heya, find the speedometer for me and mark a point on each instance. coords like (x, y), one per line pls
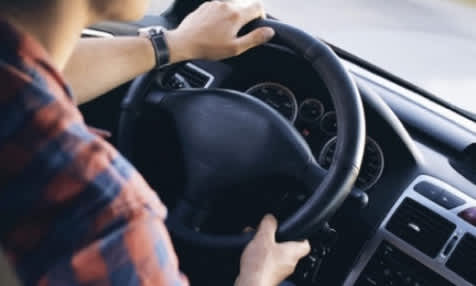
(278, 97)
(372, 164)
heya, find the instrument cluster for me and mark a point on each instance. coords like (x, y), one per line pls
(319, 127)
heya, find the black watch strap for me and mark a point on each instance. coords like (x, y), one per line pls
(162, 53)
(157, 36)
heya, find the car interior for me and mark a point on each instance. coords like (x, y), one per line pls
(380, 177)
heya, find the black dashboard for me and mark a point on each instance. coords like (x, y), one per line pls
(289, 85)
(391, 231)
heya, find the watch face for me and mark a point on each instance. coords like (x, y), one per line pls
(155, 31)
(150, 31)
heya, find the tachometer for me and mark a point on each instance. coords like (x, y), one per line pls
(372, 165)
(278, 97)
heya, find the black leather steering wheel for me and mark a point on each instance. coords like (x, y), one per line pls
(228, 137)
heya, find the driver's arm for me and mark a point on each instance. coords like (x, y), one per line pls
(99, 65)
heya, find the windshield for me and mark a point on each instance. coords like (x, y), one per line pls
(431, 43)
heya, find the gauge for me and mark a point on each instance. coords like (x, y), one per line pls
(311, 110)
(329, 123)
(278, 97)
(372, 164)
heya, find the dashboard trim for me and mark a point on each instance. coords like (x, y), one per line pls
(413, 97)
(437, 264)
(211, 78)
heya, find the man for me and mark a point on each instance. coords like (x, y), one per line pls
(74, 211)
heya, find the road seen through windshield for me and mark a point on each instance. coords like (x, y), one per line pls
(324, 17)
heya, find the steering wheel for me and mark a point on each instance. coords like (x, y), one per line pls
(227, 137)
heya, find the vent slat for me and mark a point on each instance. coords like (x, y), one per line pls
(427, 225)
(419, 226)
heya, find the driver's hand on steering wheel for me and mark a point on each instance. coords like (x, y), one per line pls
(266, 262)
(211, 31)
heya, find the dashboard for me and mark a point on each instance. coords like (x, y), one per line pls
(298, 95)
(430, 222)
(307, 106)
(386, 256)
(417, 225)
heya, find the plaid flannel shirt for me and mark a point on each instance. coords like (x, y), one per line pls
(73, 211)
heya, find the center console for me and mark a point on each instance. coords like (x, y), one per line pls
(428, 238)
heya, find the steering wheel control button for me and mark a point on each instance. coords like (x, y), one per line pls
(469, 215)
(439, 195)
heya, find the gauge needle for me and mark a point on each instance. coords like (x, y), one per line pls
(273, 104)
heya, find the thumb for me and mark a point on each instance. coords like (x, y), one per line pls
(255, 38)
(297, 249)
(267, 228)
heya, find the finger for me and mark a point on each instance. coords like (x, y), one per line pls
(248, 229)
(297, 249)
(267, 228)
(249, 11)
(255, 38)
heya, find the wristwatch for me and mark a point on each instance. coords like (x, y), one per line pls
(157, 36)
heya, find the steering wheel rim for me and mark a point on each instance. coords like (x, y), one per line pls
(330, 187)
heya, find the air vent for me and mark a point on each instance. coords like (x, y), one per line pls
(195, 76)
(421, 227)
(390, 266)
(463, 260)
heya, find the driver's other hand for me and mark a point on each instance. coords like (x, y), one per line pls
(266, 262)
(211, 31)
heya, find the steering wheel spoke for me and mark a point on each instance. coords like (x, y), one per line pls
(313, 177)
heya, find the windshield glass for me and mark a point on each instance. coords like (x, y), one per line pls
(431, 43)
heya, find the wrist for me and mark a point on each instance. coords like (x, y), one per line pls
(157, 39)
(178, 48)
(149, 52)
(248, 281)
